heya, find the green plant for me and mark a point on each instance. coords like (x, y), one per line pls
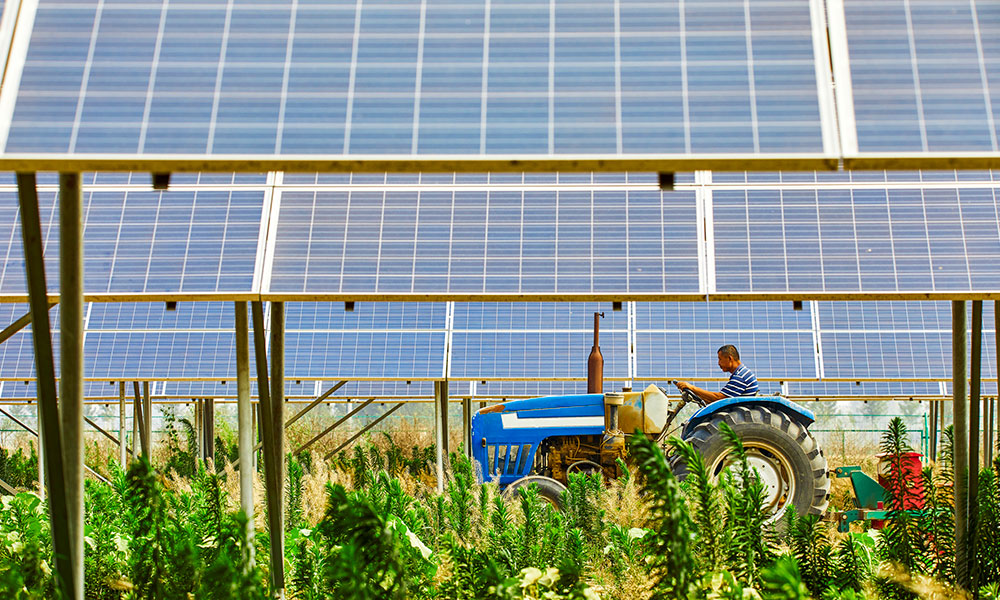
(182, 460)
(671, 540)
(367, 564)
(293, 494)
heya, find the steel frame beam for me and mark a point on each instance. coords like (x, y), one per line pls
(273, 482)
(103, 432)
(139, 421)
(63, 544)
(336, 424)
(961, 425)
(123, 449)
(14, 327)
(315, 402)
(932, 419)
(244, 416)
(364, 429)
(440, 431)
(302, 413)
(31, 431)
(71, 358)
(975, 371)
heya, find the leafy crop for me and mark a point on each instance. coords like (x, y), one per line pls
(369, 524)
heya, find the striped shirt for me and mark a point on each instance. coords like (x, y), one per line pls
(741, 383)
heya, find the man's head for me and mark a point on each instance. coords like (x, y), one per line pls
(729, 358)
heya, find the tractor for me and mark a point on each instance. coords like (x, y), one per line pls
(542, 441)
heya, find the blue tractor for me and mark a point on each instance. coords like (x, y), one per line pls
(543, 440)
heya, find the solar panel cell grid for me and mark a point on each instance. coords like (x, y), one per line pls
(678, 316)
(924, 75)
(594, 77)
(856, 240)
(471, 241)
(148, 241)
(538, 354)
(693, 354)
(365, 354)
(366, 315)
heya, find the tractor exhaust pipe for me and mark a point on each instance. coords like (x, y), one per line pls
(595, 364)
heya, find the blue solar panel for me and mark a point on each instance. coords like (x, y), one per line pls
(497, 241)
(365, 354)
(864, 388)
(538, 354)
(880, 354)
(534, 388)
(888, 316)
(533, 316)
(111, 316)
(895, 240)
(720, 316)
(203, 241)
(437, 77)
(692, 355)
(924, 74)
(167, 354)
(307, 316)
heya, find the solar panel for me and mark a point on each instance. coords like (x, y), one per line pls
(207, 316)
(534, 354)
(720, 316)
(692, 354)
(411, 78)
(534, 316)
(365, 354)
(141, 241)
(837, 240)
(486, 241)
(924, 75)
(880, 354)
(864, 388)
(388, 316)
(168, 354)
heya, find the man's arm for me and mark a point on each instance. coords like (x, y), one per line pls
(706, 395)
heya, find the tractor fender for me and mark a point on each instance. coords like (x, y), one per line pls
(797, 413)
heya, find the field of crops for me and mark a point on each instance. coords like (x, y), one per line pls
(368, 524)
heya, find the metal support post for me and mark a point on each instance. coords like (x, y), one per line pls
(63, 545)
(990, 420)
(147, 420)
(975, 369)
(961, 422)
(440, 430)
(138, 422)
(932, 430)
(272, 481)
(136, 413)
(199, 431)
(278, 407)
(302, 413)
(208, 424)
(467, 426)
(122, 447)
(244, 417)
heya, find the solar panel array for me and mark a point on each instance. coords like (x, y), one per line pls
(477, 79)
(440, 77)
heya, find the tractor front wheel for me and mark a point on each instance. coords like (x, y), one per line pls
(789, 462)
(549, 489)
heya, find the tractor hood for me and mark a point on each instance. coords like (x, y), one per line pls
(590, 404)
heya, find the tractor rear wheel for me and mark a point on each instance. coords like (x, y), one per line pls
(790, 463)
(549, 489)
